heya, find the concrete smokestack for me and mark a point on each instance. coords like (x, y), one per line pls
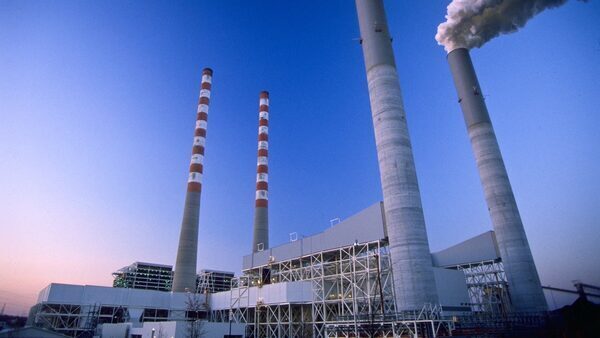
(524, 284)
(184, 278)
(260, 239)
(409, 249)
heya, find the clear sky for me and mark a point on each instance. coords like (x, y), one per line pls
(97, 112)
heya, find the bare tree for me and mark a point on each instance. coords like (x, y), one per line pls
(195, 309)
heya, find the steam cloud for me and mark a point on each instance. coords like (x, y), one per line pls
(472, 23)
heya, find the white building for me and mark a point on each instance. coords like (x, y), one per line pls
(334, 283)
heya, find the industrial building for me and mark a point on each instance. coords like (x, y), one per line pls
(336, 283)
(85, 310)
(211, 281)
(372, 274)
(151, 276)
(145, 276)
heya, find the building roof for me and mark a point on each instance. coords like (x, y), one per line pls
(366, 226)
(202, 271)
(103, 295)
(30, 332)
(136, 265)
(477, 249)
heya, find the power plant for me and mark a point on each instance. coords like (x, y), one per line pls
(371, 275)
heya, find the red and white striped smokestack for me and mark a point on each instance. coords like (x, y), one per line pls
(184, 278)
(260, 240)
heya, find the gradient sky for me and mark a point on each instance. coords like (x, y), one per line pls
(97, 112)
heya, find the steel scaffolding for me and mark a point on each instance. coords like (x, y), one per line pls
(211, 281)
(487, 286)
(147, 276)
(427, 322)
(352, 296)
(82, 320)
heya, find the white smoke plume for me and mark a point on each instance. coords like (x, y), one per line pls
(471, 23)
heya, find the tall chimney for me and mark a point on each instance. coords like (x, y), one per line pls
(524, 284)
(409, 249)
(260, 239)
(187, 253)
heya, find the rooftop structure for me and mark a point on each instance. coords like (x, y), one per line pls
(211, 281)
(159, 277)
(146, 276)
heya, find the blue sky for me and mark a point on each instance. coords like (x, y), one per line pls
(97, 111)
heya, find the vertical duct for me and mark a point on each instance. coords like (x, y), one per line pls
(260, 239)
(187, 253)
(524, 284)
(409, 249)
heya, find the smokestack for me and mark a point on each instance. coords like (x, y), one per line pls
(260, 239)
(524, 284)
(184, 278)
(409, 249)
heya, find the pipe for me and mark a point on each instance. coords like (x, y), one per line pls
(414, 282)
(524, 285)
(184, 279)
(260, 239)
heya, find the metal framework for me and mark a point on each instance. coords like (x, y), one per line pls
(427, 322)
(211, 281)
(75, 320)
(147, 276)
(150, 276)
(487, 286)
(352, 296)
(486, 324)
(68, 319)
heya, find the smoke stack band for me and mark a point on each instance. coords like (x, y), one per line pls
(260, 239)
(414, 282)
(525, 289)
(184, 278)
